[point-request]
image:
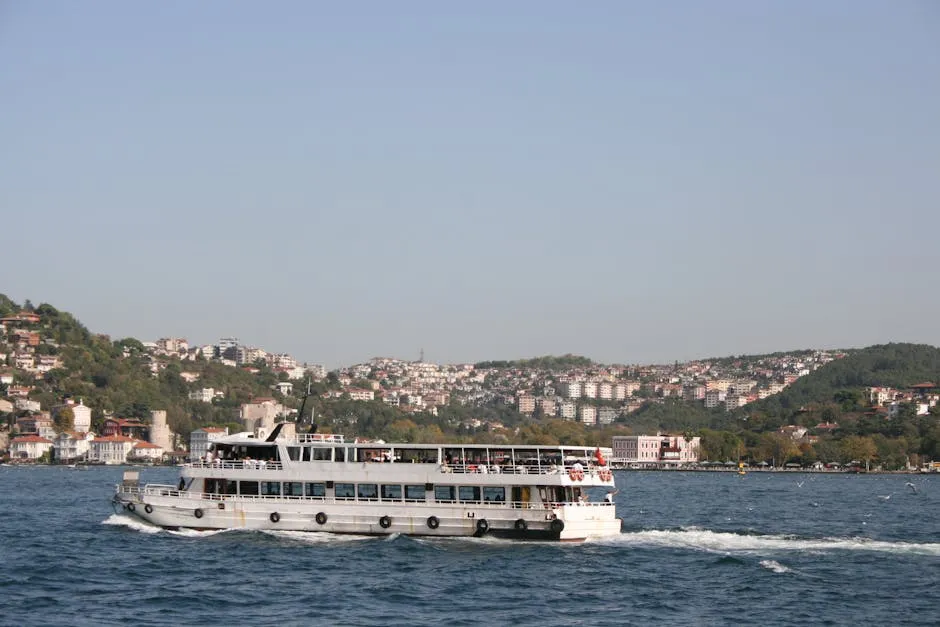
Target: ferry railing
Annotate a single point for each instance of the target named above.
(155, 489)
(238, 464)
(519, 469)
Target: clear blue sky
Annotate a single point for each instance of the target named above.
(630, 181)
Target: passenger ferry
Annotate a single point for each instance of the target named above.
(320, 482)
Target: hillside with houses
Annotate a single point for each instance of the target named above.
(67, 394)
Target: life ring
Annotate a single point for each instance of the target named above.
(557, 526)
(148, 508)
(131, 507)
(521, 525)
(433, 522)
(385, 522)
(275, 517)
(197, 513)
(482, 526)
(321, 518)
(575, 474)
(605, 474)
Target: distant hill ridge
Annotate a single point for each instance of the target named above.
(898, 365)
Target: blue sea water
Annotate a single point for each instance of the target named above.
(696, 549)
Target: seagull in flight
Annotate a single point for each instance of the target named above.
(799, 484)
(911, 486)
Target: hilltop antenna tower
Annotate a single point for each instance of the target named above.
(421, 356)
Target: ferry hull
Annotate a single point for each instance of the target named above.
(566, 523)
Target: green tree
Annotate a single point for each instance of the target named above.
(858, 448)
(64, 419)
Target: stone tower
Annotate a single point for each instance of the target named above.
(160, 433)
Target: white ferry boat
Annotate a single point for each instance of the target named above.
(320, 482)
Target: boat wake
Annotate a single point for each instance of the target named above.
(725, 542)
(134, 524)
(303, 537)
(775, 566)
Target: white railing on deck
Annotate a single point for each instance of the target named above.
(152, 489)
(239, 464)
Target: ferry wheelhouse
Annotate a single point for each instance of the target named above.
(320, 482)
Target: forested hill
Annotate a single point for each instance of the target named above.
(891, 365)
(119, 376)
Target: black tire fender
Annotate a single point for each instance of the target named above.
(557, 526)
(148, 508)
(521, 525)
(198, 513)
(482, 526)
(131, 507)
(321, 518)
(275, 517)
(433, 522)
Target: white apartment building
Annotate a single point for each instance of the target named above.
(147, 452)
(570, 389)
(205, 395)
(29, 447)
(714, 398)
(110, 449)
(589, 389)
(605, 391)
(733, 401)
(200, 439)
(71, 445)
(568, 410)
(526, 404)
(588, 414)
(546, 406)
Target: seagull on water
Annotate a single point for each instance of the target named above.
(884, 497)
(799, 484)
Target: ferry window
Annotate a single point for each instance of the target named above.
(294, 453)
(231, 487)
(393, 493)
(344, 490)
(271, 488)
(414, 492)
(249, 488)
(316, 490)
(444, 493)
(293, 488)
(340, 454)
(368, 492)
(469, 493)
(321, 454)
(494, 495)
(306, 457)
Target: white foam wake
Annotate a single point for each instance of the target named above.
(724, 542)
(775, 566)
(139, 525)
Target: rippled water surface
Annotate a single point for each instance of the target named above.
(696, 548)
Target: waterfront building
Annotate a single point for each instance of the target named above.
(655, 451)
(110, 449)
(70, 446)
(200, 439)
(29, 447)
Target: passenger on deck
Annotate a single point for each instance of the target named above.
(609, 497)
